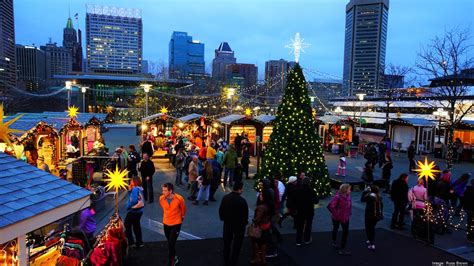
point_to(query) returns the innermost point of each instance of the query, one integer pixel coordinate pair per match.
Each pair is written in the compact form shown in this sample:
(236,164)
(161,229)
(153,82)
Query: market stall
(193,125)
(465,132)
(158,127)
(267,121)
(403,131)
(28,207)
(338,132)
(241,125)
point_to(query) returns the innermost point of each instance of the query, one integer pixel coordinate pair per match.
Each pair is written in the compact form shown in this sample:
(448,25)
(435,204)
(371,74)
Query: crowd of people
(201,170)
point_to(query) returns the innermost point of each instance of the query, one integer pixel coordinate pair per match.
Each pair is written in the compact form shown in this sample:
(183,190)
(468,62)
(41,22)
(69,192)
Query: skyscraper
(276,70)
(7,47)
(73,43)
(31,66)
(186,56)
(58,60)
(243,75)
(224,56)
(114,38)
(364,48)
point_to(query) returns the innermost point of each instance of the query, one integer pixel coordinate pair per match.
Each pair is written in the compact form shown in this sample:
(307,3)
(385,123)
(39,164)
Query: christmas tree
(294,144)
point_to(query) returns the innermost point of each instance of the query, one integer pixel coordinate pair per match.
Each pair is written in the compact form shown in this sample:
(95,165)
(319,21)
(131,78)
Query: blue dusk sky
(257,30)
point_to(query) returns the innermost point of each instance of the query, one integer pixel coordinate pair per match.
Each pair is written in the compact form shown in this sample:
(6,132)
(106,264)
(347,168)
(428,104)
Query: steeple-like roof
(69,24)
(224,47)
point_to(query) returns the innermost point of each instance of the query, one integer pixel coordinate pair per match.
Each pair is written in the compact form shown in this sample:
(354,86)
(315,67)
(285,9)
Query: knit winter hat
(292,179)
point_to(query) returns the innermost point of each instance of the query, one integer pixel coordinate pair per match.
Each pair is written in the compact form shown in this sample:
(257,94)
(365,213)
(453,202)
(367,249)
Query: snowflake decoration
(297,46)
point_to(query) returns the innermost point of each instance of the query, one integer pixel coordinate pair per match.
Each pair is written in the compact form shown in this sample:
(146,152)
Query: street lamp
(146,88)
(68,88)
(338,110)
(361,98)
(84,90)
(440,114)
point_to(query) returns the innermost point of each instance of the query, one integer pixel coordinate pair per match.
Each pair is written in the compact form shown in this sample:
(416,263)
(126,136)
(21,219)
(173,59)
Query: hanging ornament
(5,129)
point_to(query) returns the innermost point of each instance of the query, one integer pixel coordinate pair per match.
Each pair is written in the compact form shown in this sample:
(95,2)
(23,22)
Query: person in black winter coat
(387,172)
(234,212)
(147,147)
(289,196)
(268,199)
(133,160)
(469,208)
(147,169)
(373,213)
(399,195)
(305,199)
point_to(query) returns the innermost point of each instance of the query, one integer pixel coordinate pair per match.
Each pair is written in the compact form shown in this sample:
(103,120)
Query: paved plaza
(202,222)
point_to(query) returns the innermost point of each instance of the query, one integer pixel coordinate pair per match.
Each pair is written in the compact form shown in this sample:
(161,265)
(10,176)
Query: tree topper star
(297,46)
(5,129)
(426,170)
(164,110)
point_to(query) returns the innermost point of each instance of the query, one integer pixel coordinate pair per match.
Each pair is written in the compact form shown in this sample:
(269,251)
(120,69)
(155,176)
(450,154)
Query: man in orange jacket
(174,210)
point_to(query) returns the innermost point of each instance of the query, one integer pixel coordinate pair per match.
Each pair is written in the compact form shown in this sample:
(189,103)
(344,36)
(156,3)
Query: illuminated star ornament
(297,46)
(72,111)
(248,111)
(5,129)
(116,179)
(164,110)
(109,109)
(426,170)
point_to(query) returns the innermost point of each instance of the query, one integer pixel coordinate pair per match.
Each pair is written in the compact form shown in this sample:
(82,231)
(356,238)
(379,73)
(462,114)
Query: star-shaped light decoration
(248,111)
(72,111)
(5,129)
(109,109)
(164,110)
(116,180)
(297,46)
(426,170)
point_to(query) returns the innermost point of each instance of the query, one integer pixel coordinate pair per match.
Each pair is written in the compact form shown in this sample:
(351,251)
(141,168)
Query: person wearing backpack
(179,164)
(340,208)
(135,205)
(373,213)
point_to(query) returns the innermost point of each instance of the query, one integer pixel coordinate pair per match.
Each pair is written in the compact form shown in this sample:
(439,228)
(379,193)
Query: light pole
(338,110)
(146,88)
(68,88)
(361,99)
(84,90)
(440,114)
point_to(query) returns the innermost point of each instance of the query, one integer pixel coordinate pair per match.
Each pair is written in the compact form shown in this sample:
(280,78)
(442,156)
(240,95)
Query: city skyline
(321,23)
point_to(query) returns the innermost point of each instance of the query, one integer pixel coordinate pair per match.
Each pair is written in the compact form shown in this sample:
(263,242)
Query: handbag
(254,231)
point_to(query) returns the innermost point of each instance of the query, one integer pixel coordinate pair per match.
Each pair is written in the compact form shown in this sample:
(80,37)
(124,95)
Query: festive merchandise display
(294,144)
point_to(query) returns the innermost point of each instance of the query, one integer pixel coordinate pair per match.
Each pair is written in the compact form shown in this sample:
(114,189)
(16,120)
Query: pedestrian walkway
(319,252)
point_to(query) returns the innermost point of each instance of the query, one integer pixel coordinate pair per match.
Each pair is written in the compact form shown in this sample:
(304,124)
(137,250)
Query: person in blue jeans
(229,163)
(135,205)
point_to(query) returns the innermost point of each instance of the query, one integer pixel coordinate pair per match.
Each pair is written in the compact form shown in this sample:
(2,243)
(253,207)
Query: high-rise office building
(7,47)
(186,56)
(58,60)
(114,39)
(276,70)
(224,56)
(242,75)
(72,40)
(364,47)
(31,66)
